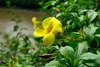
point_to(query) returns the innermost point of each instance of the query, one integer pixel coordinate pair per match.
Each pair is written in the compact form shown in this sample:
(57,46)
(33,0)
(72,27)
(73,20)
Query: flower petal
(40,32)
(49,39)
(35,22)
(47,23)
(57,27)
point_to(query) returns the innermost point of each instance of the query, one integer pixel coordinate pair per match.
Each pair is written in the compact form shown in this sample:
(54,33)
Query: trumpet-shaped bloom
(50,27)
(35,22)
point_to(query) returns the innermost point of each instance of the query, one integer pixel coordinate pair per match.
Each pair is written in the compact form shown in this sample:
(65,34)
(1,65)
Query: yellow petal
(57,27)
(40,32)
(49,39)
(47,23)
(34,20)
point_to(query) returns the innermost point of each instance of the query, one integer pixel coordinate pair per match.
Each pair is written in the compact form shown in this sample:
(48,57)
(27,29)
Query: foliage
(17,46)
(78,45)
(26,4)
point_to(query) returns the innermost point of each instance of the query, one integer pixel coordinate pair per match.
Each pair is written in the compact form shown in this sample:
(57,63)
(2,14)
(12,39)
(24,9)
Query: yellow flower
(50,27)
(35,22)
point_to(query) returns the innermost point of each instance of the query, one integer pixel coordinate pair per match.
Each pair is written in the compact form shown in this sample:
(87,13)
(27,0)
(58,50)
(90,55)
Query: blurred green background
(35,4)
(27,4)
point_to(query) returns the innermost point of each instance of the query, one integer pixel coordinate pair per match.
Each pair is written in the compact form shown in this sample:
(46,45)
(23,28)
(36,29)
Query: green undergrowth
(78,45)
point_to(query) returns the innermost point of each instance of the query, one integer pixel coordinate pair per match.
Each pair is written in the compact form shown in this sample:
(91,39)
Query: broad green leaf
(62,61)
(54,63)
(74,35)
(97,38)
(76,61)
(81,48)
(67,51)
(89,32)
(88,56)
(92,15)
(73,44)
(53,3)
(97,30)
(19,65)
(97,35)
(98,60)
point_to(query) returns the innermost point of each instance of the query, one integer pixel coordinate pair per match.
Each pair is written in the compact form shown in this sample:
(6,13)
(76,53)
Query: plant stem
(86,64)
(67,37)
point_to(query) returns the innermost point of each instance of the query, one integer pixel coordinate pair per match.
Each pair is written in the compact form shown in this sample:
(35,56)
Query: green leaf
(26,66)
(73,44)
(76,61)
(15,28)
(19,21)
(97,35)
(98,52)
(82,48)
(53,3)
(97,30)
(88,56)
(59,14)
(17,16)
(81,20)
(26,38)
(67,51)
(89,32)
(98,60)
(92,15)
(74,35)
(10,12)
(53,63)
(18,65)
(97,38)
(13,19)
(82,65)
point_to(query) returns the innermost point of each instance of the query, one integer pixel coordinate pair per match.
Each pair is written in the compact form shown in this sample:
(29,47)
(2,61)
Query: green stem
(67,37)
(71,39)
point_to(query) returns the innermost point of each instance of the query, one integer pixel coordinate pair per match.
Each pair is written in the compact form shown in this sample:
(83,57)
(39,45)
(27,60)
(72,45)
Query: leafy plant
(70,37)
(78,44)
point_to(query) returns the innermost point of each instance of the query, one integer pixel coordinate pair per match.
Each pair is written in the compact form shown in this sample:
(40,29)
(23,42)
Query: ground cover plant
(68,36)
